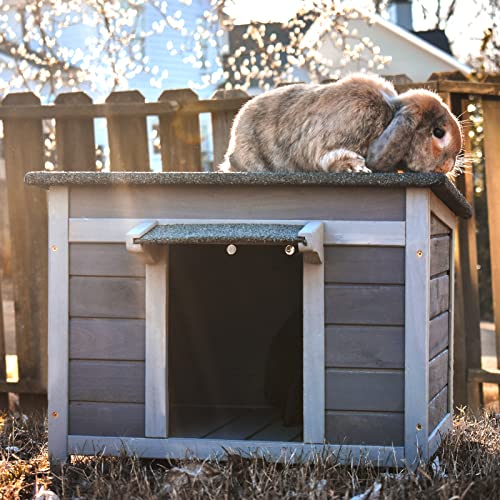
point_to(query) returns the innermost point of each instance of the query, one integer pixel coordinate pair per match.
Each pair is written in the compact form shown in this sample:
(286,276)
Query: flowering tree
(48,46)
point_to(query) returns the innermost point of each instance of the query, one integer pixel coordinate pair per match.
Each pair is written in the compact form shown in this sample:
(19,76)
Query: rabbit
(357,124)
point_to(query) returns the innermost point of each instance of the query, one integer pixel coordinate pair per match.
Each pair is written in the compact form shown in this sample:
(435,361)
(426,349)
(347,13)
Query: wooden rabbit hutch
(189,312)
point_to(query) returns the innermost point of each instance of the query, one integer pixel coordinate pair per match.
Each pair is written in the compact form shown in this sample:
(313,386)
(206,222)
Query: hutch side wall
(439,326)
(364,301)
(364,296)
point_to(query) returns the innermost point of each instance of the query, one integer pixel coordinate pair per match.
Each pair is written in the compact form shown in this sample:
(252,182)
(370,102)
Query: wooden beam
(479,375)
(491,113)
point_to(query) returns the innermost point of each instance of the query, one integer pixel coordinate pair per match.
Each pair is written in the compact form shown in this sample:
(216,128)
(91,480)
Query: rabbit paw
(343,160)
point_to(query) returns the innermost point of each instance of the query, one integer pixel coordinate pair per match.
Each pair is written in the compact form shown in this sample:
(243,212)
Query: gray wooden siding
(106,341)
(272,202)
(439,326)
(364,299)
(106,419)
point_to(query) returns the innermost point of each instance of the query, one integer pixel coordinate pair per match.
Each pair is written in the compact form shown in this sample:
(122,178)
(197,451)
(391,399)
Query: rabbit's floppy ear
(392,146)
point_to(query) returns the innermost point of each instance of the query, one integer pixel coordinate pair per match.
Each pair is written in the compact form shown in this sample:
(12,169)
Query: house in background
(415,54)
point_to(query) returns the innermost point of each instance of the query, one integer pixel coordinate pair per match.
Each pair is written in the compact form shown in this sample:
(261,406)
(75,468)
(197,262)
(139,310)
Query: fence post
(491,114)
(222,122)
(75,141)
(467,316)
(180,135)
(4,397)
(127,135)
(23,139)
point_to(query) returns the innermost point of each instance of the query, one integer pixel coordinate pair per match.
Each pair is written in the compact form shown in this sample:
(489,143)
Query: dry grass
(470,468)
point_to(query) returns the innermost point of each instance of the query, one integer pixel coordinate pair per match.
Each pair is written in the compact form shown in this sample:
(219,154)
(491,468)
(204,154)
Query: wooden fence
(178,113)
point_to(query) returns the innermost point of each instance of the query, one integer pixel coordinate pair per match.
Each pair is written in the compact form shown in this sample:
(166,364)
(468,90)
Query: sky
(465,29)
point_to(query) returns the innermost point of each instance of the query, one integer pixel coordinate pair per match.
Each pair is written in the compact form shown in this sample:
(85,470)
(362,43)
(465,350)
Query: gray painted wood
(313,303)
(115,339)
(199,421)
(106,419)
(377,265)
(215,448)
(438,373)
(438,408)
(245,426)
(156,396)
(337,232)
(364,304)
(440,255)
(58,324)
(416,376)
(438,334)
(367,390)
(365,346)
(439,295)
(278,432)
(106,381)
(439,433)
(92,297)
(438,227)
(382,429)
(87,259)
(206,202)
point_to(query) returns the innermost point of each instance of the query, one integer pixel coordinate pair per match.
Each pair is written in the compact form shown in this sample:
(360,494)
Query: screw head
(420,253)
(419,427)
(289,250)
(54,248)
(231,249)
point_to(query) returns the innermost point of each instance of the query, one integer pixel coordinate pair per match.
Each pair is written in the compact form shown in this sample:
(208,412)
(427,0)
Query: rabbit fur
(357,124)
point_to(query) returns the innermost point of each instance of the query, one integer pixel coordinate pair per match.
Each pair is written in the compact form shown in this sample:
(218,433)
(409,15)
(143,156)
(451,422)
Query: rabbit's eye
(439,133)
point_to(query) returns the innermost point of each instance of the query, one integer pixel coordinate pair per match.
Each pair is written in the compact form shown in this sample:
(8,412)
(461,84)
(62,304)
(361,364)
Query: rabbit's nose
(446,167)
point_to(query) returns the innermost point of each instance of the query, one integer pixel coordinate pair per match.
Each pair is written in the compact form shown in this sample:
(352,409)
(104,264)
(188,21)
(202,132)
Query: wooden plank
(439,332)
(106,419)
(417,295)
(365,346)
(238,202)
(438,408)
(222,122)
(491,111)
(442,212)
(104,260)
(277,431)
(75,141)
(156,397)
(114,230)
(199,421)
(484,376)
(439,295)
(107,297)
(364,304)
(313,303)
(440,255)
(245,426)
(438,373)
(106,381)
(113,339)
(180,135)
(451,330)
(377,265)
(218,449)
(58,307)
(438,228)
(382,429)
(364,390)
(439,433)
(23,147)
(468,318)
(3,373)
(127,136)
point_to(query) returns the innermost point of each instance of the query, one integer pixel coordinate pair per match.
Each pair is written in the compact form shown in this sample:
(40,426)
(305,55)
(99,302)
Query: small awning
(249,234)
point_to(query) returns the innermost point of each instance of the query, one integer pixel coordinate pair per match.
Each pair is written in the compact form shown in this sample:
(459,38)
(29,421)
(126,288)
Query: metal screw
(54,248)
(420,253)
(55,414)
(419,427)
(289,250)
(231,249)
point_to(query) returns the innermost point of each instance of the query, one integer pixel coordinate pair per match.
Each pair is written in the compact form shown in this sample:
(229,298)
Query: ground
(466,467)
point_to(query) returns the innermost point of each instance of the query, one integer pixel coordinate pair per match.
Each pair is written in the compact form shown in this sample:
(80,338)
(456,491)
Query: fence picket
(222,122)
(180,135)
(23,140)
(127,135)
(75,136)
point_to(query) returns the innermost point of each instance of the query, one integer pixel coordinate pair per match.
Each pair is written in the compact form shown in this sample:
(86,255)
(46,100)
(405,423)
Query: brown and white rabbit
(358,124)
